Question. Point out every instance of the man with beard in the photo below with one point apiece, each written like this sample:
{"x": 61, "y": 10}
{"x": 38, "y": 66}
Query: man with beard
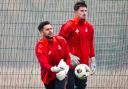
{"x": 53, "y": 56}
{"x": 79, "y": 34}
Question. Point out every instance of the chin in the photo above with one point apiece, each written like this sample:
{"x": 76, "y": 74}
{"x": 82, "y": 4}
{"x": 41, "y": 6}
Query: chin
{"x": 49, "y": 37}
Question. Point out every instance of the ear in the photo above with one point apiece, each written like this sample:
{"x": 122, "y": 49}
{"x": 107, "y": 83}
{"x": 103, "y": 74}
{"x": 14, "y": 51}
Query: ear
{"x": 41, "y": 33}
{"x": 75, "y": 12}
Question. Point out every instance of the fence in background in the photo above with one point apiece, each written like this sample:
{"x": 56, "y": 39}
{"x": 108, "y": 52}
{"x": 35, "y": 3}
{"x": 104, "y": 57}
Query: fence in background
{"x": 19, "y": 19}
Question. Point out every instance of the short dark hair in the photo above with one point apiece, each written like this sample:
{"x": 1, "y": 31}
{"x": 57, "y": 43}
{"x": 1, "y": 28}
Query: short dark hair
{"x": 79, "y": 4}
{"x": 42, "y": 24}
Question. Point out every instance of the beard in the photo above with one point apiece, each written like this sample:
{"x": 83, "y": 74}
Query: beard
{"x": 82, "y": 20}
{"x": 49, "y": 36}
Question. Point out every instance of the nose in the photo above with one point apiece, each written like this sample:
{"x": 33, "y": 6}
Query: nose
{"x": 50, "y": 30}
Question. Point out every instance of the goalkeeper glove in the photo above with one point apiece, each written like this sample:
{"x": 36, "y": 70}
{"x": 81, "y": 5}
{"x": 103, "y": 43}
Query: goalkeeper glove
{"x": 61, "y": 75}
{"x": 55, "y": 69}
{"x": 93, "y": 65}
{"x": 64, "y": 70}
{"x": 62, "y": 65}
{"x": 74, "y": 60}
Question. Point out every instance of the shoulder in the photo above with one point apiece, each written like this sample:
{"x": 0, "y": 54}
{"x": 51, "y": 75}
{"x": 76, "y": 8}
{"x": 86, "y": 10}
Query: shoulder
{"x": 89, "y": 24}
{"x": 58, "y": 37}
{"x": 69, "y": 23}
{"x": 41, "y": 44}
{"x": 44, "y": 42}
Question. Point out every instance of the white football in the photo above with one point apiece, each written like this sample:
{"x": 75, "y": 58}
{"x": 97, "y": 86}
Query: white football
{"x": 82, "y": 71}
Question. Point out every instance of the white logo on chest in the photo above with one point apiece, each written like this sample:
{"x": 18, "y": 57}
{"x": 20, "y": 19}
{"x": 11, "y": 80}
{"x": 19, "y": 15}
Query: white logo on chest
{"x": 86, "y": 30}
{"x": 49, "y": 53}
{"x": 59, "y": 47}
{"x": 77, "y": 31}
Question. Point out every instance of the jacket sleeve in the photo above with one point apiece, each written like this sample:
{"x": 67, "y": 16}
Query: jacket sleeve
{"x": 42, "y": 57}
{"x": 66, "y": 50}
{"x": 92, "y": 50}
{"x": 65, "y": 30}
{"x": 67, "y": 53}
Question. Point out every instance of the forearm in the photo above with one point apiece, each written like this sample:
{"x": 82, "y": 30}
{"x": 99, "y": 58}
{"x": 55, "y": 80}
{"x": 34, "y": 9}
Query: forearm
{"x": 43, "y": 62}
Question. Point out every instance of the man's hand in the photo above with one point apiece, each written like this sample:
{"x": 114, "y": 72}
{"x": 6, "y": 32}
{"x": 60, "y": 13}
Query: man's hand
{"x": 92, "y": 65}
{"x": 74, "y": 60}
{"x": 55, "y": 69}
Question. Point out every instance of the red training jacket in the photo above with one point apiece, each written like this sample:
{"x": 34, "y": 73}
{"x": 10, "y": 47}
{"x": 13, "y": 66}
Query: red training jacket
{"x": 80, "y": 38}
{"x": 49, "y": 54}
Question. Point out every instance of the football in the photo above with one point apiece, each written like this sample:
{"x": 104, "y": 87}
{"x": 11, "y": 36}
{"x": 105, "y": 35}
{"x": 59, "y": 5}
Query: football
{"x": 82, "y": 71}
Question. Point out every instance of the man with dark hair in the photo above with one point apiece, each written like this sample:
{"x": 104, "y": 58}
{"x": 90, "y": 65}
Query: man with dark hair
{"x": 53, "y": 56}
{"x": 79, "y": 34}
